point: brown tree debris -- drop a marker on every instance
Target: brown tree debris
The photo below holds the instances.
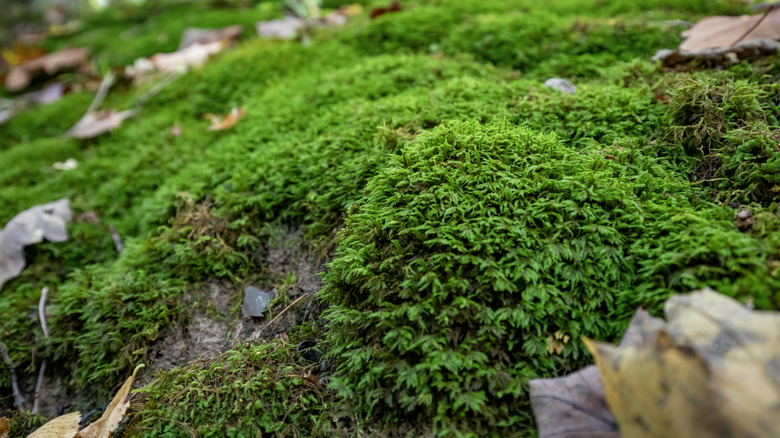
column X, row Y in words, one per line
column 395, row 6
column 21, row 76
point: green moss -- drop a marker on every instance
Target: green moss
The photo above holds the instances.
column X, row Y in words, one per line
column 478, row 243
column 725, row 132
column 261, row 390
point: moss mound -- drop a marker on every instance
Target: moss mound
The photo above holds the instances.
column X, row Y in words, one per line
column 464, row 258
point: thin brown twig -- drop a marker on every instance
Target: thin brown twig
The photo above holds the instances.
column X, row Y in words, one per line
column 753, row 27
column 45, row 327
column 18, row 398
column 257, row 335
column 105, row 85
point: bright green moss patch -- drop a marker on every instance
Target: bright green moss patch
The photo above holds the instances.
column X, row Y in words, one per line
column 263, row 390
column 476, row 245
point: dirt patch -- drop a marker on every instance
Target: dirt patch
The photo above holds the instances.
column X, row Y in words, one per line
column 216, row 324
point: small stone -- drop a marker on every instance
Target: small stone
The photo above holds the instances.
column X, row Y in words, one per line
column 561, row 85
column 255, row 301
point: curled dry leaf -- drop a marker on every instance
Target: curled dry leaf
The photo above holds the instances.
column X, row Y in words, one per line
column 193, row 55
column 221, row 123
column 5, row 427
column 113, row 414
column 20, row 77
column 46, row 221
column 95, row 123
column 64, row 426
column 194, row 35
column 710, row 370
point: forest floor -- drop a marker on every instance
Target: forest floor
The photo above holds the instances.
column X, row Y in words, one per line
column 427, row 210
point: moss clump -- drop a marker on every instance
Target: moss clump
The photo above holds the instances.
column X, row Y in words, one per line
column 262, row 390
column 726, row 133
column 463, row 257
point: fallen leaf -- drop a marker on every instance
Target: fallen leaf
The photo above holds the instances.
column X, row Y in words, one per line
column 286, row 28
column 395, row 6
column 5, row 427
column 64, row 426
column 99, row 122
column 46, row 221
column 575, row 405
column 221, row 123
column 18, row 54
column 110, row 419
column 21, row 76
column 710, row 370
column 194, row 35
column 572, row 406
column 193, row 56
column 723, row 31
column 561, row 85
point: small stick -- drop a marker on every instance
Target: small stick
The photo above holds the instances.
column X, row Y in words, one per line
column 105, row 84
column 45, row 327
column 18, row 399
column 115, row 237
column 257, row 335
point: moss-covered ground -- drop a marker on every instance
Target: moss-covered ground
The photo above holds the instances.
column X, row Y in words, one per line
column 468, row 213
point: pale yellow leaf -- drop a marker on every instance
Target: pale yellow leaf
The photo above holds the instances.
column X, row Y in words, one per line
column 64, row 426
column 110, row 419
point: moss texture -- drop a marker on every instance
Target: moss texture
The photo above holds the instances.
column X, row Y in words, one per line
column 471, row 212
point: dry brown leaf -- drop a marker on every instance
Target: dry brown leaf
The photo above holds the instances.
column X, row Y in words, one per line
column 194, row 35
column 18, row 54
column 710, row 370
column 221, row 123
column 103, row 427
column 5, row 427
column 722, row 31
column 64, row 426
column 99, row 122
column 574, row 406
column 20, row 77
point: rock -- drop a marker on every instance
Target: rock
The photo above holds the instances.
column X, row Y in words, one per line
column 561, row 85
column 255, row 301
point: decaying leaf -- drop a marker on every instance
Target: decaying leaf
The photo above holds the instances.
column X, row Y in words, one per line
column 721, row 40
column 286, row 28
column 103, row 427
column 395, row 6
column 710, row 370
column 193, row 55
column 194, row 35
column 5, row 427
column 21, row 76
column 64, row 426
column 46, row 221
column 99, row 122
column 723, row 31
column 574, row 406
column 221, row 123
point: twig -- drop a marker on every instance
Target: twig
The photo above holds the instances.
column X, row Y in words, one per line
column 753, row 27
column 115, row 237
column 45, row 327
column 105, row 84
column 18, row 399
column 168, row 80
column 257, row 335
